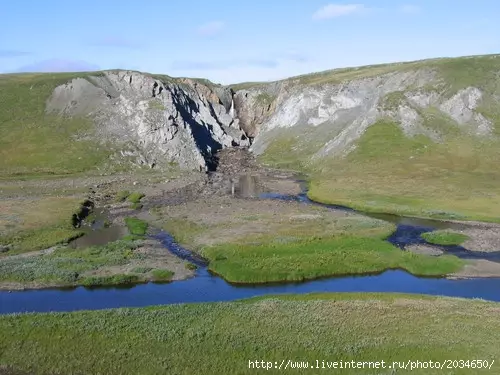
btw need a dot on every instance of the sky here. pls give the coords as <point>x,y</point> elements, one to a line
<point>230,41</point>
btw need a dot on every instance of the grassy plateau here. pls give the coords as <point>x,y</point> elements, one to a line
<point>221,338</point>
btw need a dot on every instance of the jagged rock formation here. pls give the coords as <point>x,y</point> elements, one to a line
<point>155,120</point>
<point>159,119</point>
<point>336,114</point>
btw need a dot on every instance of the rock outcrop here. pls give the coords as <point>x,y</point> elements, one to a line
<point>337,114</point>
<point>159,119</point>
<point>155,120</point>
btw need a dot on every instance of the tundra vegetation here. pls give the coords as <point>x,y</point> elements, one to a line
<point>36,223</point>
<point>290,242</point>
<point>91,266</point>
<point>333,327</point>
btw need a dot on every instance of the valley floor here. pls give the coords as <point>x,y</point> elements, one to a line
<point>244,238</point>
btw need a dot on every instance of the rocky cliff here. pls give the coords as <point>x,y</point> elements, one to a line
<point>326,113</point>
<point>154,119</point>
<point>158,119</point>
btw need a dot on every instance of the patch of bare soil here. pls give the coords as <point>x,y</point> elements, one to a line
<point>482,238</point>
<point>425,250</point>
<point>478,268</point>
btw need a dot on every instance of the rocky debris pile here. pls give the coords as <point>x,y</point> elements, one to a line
<point>235,166</point>
<point>235,161</point>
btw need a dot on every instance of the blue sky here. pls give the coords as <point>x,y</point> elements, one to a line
<point>231,41</point>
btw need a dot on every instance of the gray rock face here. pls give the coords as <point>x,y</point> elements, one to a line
<point>160,119</point>
<point>154,120</point>
<point>347,109</point>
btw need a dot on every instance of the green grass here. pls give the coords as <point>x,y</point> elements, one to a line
<point>109,280</point>
<point>392,100</point>
<point>184,231</point>
<point>162,275</point>
<point>39,239</point>
<point>191,266</point>
<point>33,142</point>
<point>314,258</point>
<point>456,179</point>
<point>66,266</point>
<point>135,197</point>
<point>136,227</point>
<point>31,224</point>
<point>443,237</point>
<point>141,269</point>
<point>221,338</point>
<point>122,195</point>
<point>264,99</point>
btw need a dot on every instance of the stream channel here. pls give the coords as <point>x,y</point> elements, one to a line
<point>205,287</point>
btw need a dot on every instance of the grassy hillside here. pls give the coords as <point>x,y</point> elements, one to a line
<point>453,177</point>
<point>32,142</point>
<point>221,338</point>
<point>389,172</point>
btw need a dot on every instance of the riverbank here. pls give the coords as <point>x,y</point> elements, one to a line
<point>118,263</point>
<point>330,327</point>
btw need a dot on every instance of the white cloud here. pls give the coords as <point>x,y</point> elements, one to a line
<point>337,10</point>
<point>211,28</point>
<point>410,9</point>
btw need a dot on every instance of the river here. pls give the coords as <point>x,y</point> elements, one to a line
<point>205,287</point>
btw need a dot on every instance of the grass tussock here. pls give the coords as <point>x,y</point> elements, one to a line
<point>162,275</point>
<point>444,237</point>
<point>122,195</point>
<point>135,197</point>
<point>109,280</point>
<point>136,227</point>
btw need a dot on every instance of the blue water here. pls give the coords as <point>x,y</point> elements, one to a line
<point>205,287</point>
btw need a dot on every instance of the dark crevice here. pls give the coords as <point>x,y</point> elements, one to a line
<point>130,80</point>
<point>154,89</point>
<point>201,134</point>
